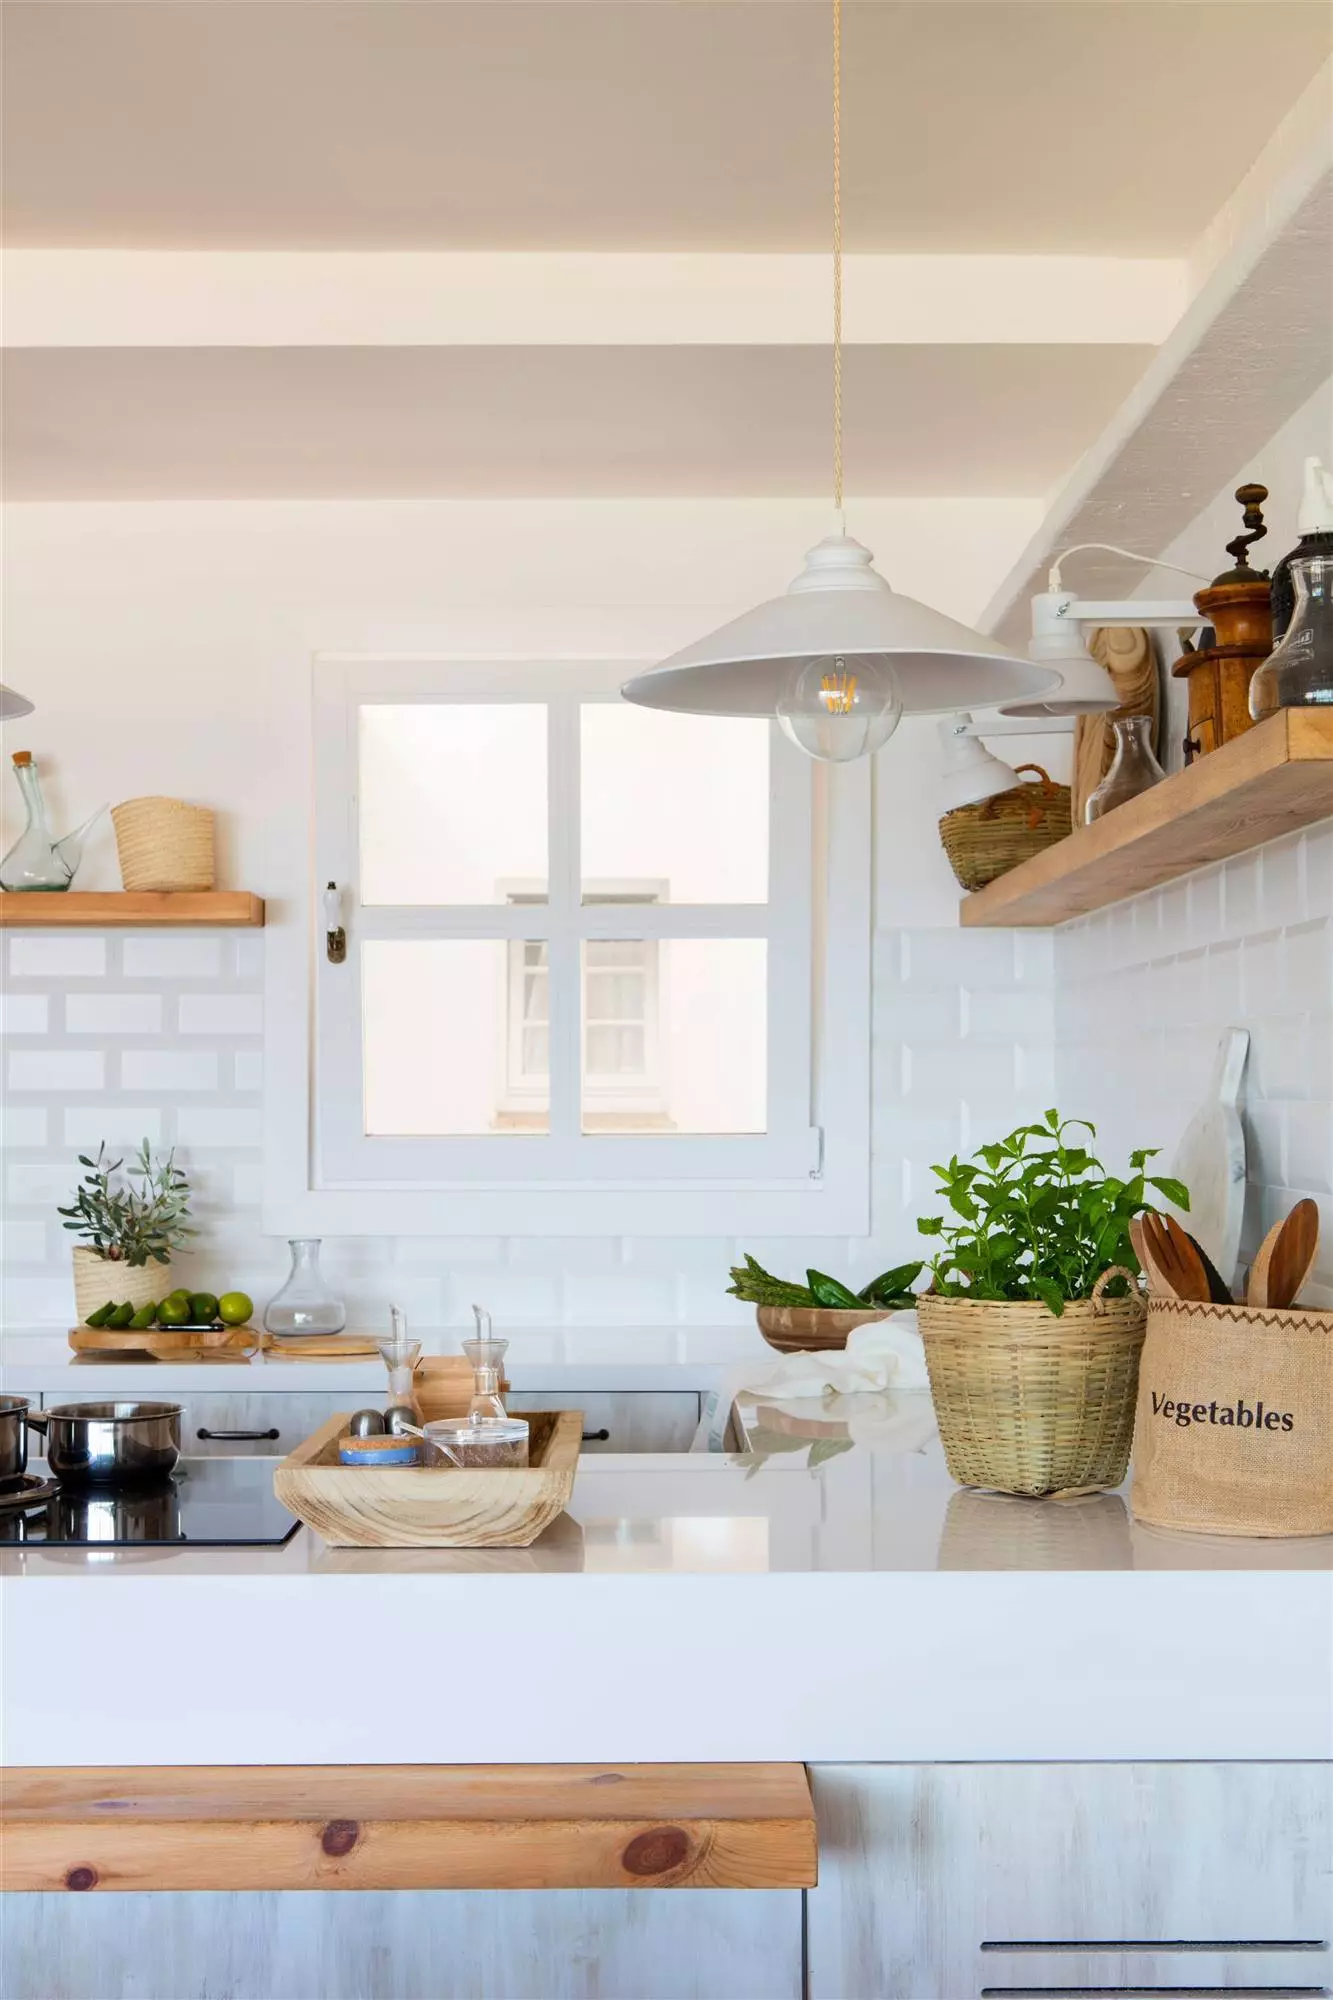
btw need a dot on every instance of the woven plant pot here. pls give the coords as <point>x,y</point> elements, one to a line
<point>1028,1403</point>
<point>164,844</point>
<point>811,1329</point>
<point>98,1278</point>
<point>987,840</point>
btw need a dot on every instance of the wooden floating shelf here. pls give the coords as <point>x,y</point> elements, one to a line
<point>226,909</point>
<point>1273,780</point>
<point>410,1826</point>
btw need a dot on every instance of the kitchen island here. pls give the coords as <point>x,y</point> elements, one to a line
<point>1026,1724</point>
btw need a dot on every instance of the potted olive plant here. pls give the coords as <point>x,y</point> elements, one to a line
<point>1034,1318</point>
<point>130,1219</point>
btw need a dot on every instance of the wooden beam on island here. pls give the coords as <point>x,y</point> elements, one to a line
<point>409,1826</point>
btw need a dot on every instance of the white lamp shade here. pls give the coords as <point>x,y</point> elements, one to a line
<point>1085,687</point>
<point>969,772</point>
<point>838,605</point>
<point>13,704</point>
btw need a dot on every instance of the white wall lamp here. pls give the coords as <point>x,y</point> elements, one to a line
<point>1059,619</point>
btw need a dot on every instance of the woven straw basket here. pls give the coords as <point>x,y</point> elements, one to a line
<point>164,844</point>
<point>1028,1403</point>
<point>97,1279</point>
<point>1234,1433</point>
<point>987,840</point>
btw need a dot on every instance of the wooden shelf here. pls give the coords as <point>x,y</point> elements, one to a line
<point>1274,779</point>
<point>229,909</point>
<point>411,1826</point>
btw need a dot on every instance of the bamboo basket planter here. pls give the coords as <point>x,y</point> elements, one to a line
<point>1028,1403</point>
<point>98,1278</point>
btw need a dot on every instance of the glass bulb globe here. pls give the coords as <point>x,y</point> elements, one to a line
<point>840,706</point>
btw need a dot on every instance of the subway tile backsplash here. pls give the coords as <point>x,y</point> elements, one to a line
<point>1115,1017</point>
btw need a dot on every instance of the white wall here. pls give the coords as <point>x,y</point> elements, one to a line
<point>168,648</point>
<point>1144,990</point>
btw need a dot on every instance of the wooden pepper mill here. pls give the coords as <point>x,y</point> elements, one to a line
<point>1236,605</point>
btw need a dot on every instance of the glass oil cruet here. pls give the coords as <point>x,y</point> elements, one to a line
<point>400,1356</point>
<point>1299,672</point>
<point>1134,768</point>
<point>487,1438</point>
<point>35,861</point>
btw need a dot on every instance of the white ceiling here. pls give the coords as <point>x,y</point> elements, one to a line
<point>139,423</point>
<point>1114,126</point>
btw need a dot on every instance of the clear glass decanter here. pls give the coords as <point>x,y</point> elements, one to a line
<point>35,861</point>
<point>1134,768</point>
<point>305,1304</point>
<point>1299,672</point>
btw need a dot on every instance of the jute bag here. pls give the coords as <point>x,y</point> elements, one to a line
<point>1233,1432</point>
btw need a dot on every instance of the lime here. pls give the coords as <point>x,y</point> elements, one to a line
<point>143,1319</point>
<point>180,1297</point>
<point>235,1309</point>
<point>173,1312</point>
<point>203,1307</point>
<point>122,1316</point>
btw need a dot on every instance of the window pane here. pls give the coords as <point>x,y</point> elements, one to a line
<point>453,802</point>
<point>446,1050</point>
<point>673,806</point>
<point>680,1043</point>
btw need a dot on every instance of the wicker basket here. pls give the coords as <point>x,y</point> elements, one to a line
<point>97,1279</point>
<point>1028,1403</point>
<point>987,840</point>
<point>811,1329</point>
<point>164,844</point>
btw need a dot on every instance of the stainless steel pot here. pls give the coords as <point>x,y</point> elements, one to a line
<point>110,1443</point>
<point>13,1437</point>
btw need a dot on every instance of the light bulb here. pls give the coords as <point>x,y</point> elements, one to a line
<point>840,706</point>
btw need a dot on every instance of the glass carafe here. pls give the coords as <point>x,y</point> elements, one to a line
<point>35,861</point>
<point>306,1303</point>
<point>1134,768</point>
<point>1299,672</point>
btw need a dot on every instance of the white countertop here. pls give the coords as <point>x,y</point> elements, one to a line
<point>36,1361</point>
<point>694,1608</point>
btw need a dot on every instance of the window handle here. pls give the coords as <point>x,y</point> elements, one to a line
<point>335,937</point>
<point>238,1437</point>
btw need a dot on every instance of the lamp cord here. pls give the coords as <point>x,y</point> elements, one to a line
<point>1154,562</point>
<point>837,258</point>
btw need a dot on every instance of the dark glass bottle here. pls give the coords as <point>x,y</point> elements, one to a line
<point>1315,525</point>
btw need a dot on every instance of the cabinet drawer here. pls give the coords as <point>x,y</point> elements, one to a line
<point>637,1420</point>
<point>240,1423</point>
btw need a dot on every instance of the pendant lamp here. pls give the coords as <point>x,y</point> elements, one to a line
<point>841,657</point>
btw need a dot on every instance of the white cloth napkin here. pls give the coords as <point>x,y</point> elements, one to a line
<point>885,1354</point>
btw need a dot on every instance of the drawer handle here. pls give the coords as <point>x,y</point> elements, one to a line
<point>238,1437</point>
<point>595,1437</point>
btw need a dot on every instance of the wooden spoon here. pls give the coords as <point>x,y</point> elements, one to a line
<point>1157,1280</point>
<point>1177,1260</point>
<point>1286,1258</point>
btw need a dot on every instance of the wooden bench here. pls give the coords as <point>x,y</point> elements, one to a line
<point>409,1826</point>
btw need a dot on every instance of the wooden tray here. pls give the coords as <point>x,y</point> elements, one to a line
<point>428,1507</point>
<point>175,1342</point>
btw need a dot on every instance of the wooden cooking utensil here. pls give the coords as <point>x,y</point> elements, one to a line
<point>1157,1279</point>
<point>1219,1289</point>
<point>1286,1258</point>
<point>1175,1257</point>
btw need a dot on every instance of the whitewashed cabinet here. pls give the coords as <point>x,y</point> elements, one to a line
<point>636,1420</point>
<point>954,1881</point>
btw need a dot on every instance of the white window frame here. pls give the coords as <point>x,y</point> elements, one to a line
<point>808,1174</point>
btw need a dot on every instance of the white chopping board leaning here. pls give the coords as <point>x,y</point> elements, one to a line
<point>1210,1159</point>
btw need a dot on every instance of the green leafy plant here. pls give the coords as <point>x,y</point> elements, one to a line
<point>142,1215</point>
<point>891,1291</point>
<point>1039,1218</point>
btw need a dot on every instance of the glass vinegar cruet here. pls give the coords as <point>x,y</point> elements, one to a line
<point>487,1438</point>
<point>400,1356</point>
<point>1298,673</point>
<point>35,861</point>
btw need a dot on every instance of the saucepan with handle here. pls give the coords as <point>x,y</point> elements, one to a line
<point>13,1437</point>
<point>96,1444</point>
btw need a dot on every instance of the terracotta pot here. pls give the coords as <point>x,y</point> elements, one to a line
<point>98,1278</point>
<point>809,1329</point>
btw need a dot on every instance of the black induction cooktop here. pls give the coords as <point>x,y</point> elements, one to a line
<point>220,1503</point>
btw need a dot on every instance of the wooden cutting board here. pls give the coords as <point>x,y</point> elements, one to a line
<point>167,1342</point>
<point>1210,1159</point>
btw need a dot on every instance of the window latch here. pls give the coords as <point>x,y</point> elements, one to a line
<point>335,937</point>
